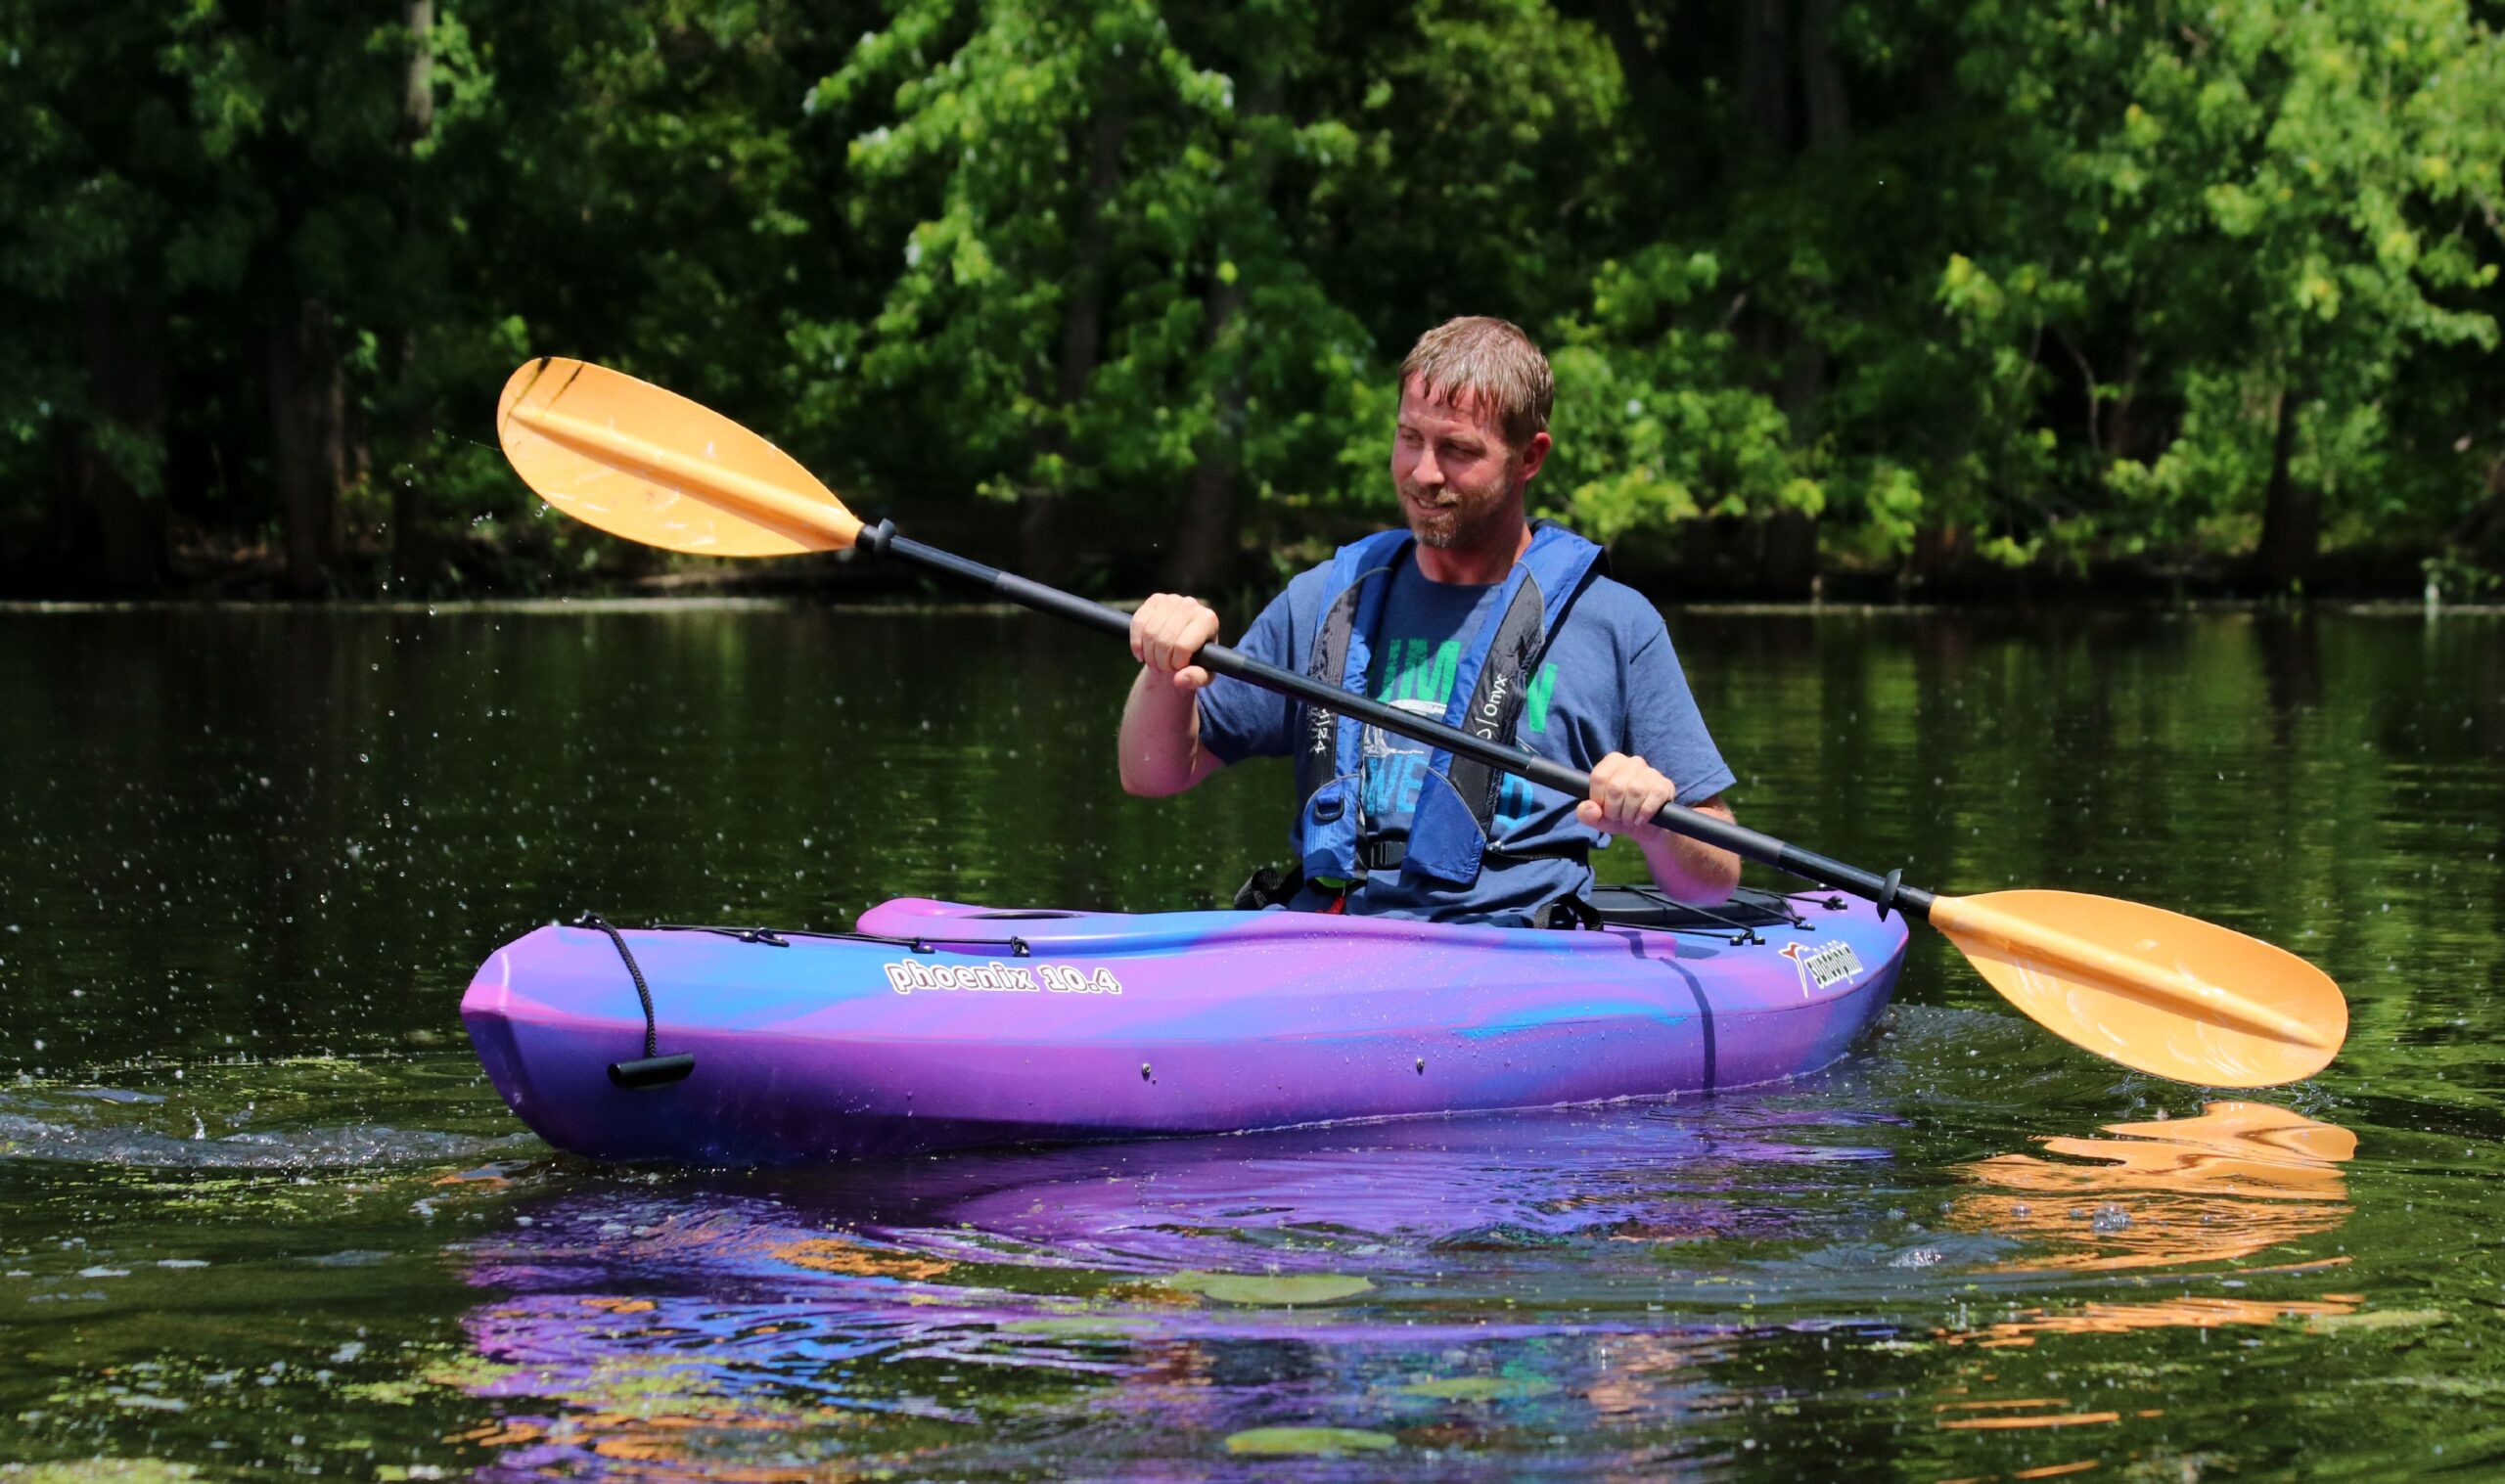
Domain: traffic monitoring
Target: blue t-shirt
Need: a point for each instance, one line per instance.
(1607, 681)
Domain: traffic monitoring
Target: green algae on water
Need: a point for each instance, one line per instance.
(1482, 1388)
(1324, 1441)
(1271, 1288)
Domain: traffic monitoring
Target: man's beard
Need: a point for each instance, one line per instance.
(1452, 525)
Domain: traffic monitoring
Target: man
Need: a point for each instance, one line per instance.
(1472, 607)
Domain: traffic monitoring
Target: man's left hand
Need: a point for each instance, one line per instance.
(1627, 792)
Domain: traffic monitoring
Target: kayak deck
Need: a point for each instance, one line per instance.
(939, 1025)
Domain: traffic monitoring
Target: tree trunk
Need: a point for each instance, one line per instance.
(109, 521)
(1822, 90)
(417, 91)
(1787, 563)
(2482, 526)
(309, 452)
(417, 121)
(2291, 515)
(1208, 548)
(1043, 515)
(1936, 553)
(1771, 48)
(1764, 93)
(1206, 551)
(1650, 108)
(1788, 553)
(2122, 424)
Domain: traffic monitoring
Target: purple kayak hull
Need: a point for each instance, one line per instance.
(983, 1027)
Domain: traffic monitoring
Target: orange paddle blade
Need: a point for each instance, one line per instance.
(653, 467)
(2152, 989)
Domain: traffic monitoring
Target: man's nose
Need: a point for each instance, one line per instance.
(1427, 471)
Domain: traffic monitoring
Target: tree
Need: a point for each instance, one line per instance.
(93, 234)
(2289, 198)
(1153, 251)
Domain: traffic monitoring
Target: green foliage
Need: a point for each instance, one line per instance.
(1130, 235)
(2273, 197)
(2038, 285)
(1653, 426)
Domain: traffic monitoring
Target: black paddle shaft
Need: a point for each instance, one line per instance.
(1749, 844)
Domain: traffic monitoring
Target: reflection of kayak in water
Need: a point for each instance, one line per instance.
(723, 1327)
(938, 1025)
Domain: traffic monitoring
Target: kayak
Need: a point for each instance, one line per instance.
(939, 1025)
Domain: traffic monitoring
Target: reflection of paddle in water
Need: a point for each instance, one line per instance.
(2237, 1179)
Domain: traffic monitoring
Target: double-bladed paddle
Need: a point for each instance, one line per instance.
(2152, 989)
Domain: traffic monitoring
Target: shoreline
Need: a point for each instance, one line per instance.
(2358, 607)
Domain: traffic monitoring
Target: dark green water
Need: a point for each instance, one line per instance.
(260, 1215)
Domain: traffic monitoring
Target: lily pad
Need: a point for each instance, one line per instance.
(2380, 1319)
(1271, 1288)
(2469, 1387)
(1306, 1441)
(1482, 1388)
(100, 1471)
(1075, 1328)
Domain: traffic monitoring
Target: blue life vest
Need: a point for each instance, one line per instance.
(1450, 828)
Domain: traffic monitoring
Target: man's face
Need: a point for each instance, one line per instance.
(1460, 483)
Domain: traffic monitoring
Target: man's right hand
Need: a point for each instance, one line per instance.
(1160, 743)
(1167, 631)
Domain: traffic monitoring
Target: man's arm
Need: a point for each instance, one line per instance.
(1663, 725)
(1161, 737)
(1692, 871)
(1627, 792)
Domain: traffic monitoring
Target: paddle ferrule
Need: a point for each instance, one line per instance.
(1889, 891)
(881, 540)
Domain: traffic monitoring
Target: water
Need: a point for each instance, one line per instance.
(260, 1215)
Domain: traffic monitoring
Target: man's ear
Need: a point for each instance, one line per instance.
(1534, 454)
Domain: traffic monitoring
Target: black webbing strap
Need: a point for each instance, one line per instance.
(1496, 700)
(1317, 758)
(1383, 854)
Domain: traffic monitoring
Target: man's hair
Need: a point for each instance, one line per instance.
(1491, 362)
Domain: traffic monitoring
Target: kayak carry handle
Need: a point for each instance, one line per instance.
(652, 1071)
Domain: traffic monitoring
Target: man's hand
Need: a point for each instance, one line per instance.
(1160, 741)
(1167, 631)
(1627, 792)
